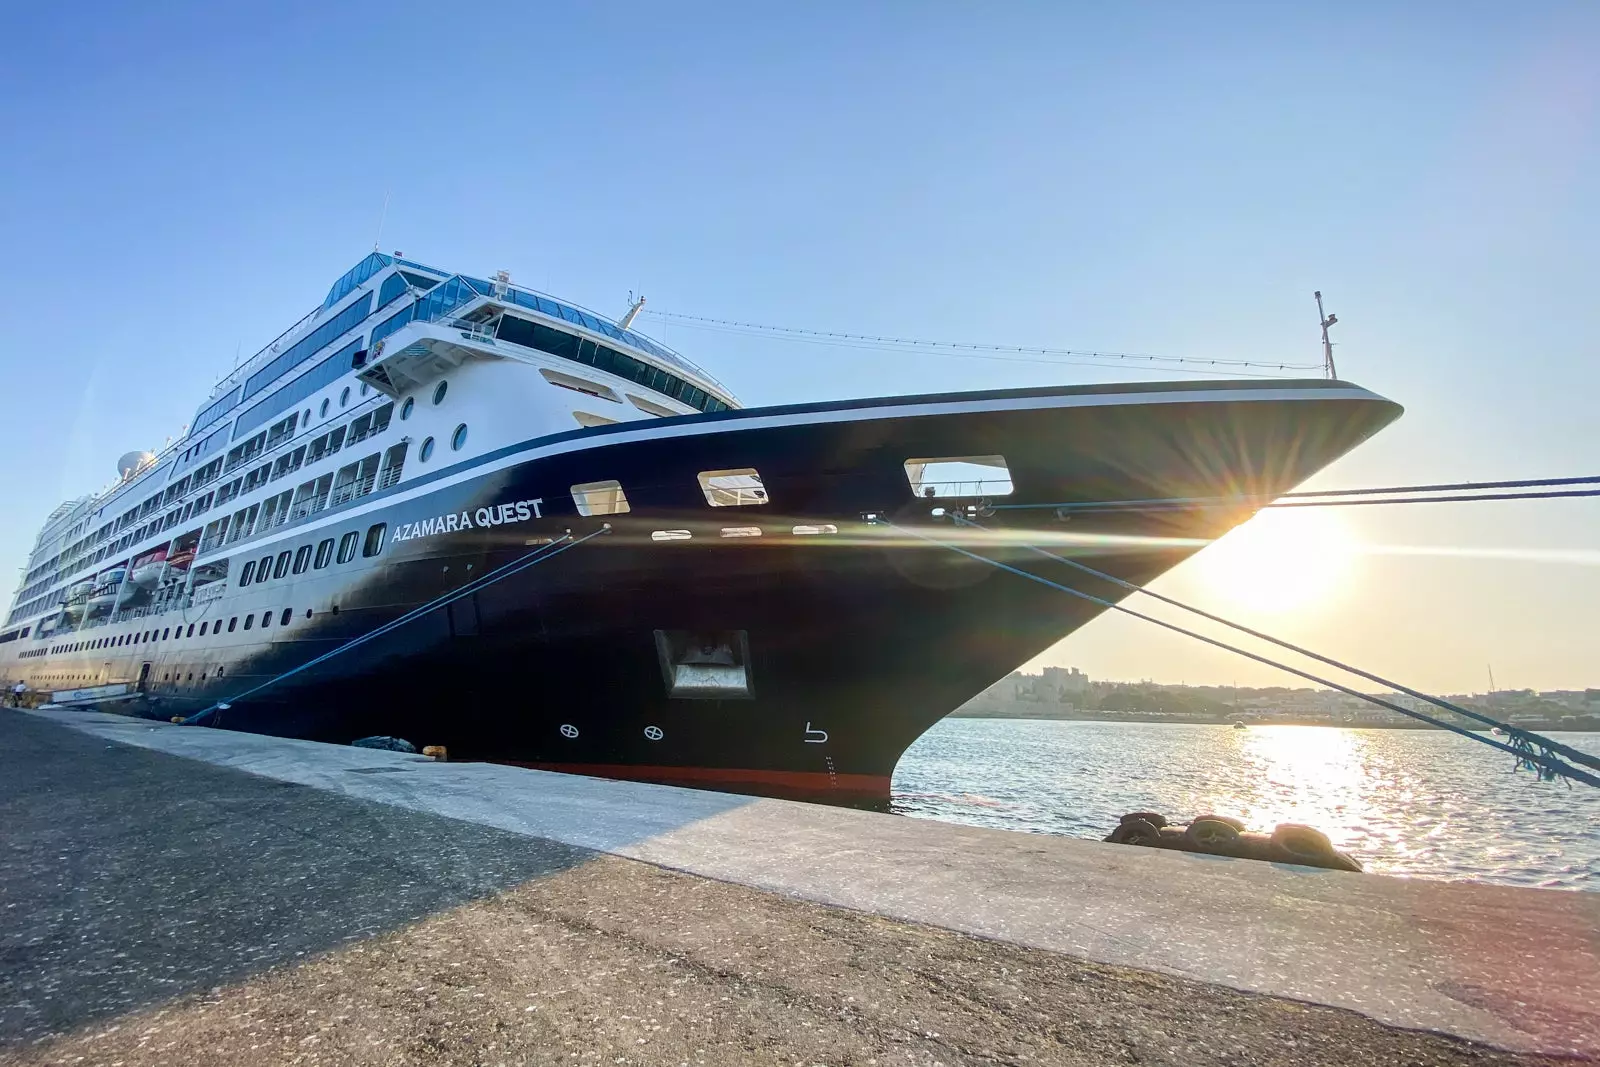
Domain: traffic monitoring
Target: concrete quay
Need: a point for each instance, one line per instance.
(181, 894)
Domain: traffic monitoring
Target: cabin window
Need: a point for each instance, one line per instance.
(231, 623)
(246, 574)
(323, 411)
(344, 397)
(813, 531)
(202, 630)
(266, 619)
(438, 393)
(283, 564)
(264, 569)
(166, 633)
(738, 487)
(347, 546)
(670, 535)
(425, 453)
(288, 613)
(406, 408)
(324, 554)
(191, 630)
(374, 543)
(249, 621)
(959, 476)
(302, 559)
(600, 498)
(458, 438)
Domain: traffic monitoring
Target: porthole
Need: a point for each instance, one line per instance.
(288, 613)
(374, 543)
(344, 397)
(324, 554)
(426, 452)
(308, 613)
(249, 621)
(305, 418)
(365, 388)
(282, 566)
(191, 630)
(266, 619)
(439, 391)
(232, 623)
(302, 559)
(347, 547)
(322, 412)
(458, 438)
(405, 409)
(202, 629)
(247, 573)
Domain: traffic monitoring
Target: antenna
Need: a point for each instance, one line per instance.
(1327, 345)
(382, 215)
(633, 310)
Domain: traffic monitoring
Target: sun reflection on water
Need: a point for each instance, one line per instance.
(1400, 801)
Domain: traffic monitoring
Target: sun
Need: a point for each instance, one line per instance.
(1283, 559)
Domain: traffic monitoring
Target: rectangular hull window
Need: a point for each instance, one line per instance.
(705, 664)
(959, 476)
(600, 498)
(737, 488)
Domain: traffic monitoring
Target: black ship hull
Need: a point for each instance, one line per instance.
(843, 646)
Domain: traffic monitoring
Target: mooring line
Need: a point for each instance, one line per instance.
(1549, 765)
(505, 570)
(1525, 737)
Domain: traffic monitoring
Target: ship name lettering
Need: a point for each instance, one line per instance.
(494, 515)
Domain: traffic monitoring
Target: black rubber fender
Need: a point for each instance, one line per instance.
(1135, 832)
(1302, 840)
(1210, 833)
(1154, 818)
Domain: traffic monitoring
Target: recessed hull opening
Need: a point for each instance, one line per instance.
(705, 664)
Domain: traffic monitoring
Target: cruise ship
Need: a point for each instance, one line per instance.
(461, 512)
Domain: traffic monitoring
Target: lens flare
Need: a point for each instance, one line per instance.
(1281, 560)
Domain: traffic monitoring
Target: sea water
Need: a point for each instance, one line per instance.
(1406, 802)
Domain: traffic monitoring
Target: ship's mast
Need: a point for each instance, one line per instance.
(633, 309)
(1327, 345)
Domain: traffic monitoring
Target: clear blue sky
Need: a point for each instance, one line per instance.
(178, 181)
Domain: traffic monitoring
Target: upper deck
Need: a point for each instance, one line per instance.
(378, 296)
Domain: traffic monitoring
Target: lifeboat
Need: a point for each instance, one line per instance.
(105, 589)
(77, 595)
(148, 568)
(180, 560)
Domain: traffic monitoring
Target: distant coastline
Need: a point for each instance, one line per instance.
(1067, 694)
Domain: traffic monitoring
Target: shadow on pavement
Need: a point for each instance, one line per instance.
(128, 877)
